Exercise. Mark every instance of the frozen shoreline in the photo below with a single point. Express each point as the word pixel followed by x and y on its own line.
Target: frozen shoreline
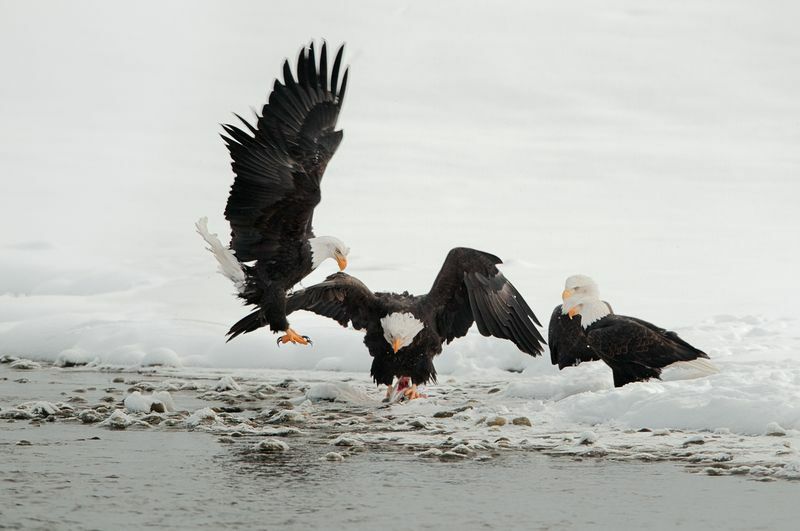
pixel 191 468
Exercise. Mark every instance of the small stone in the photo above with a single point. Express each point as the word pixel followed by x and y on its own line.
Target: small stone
pixel 496 421
pixel 89 416
pixel 452 456
pixel 25 365
pixel 494 390
pixel 152 418
pixel 432 452
pixel 118 379
pixel 694 439
pixel 108 398
pixel 775 430
pixel 158 407
pixel 271 446
pixel 226 440
pixel 334 456
pixel 343 440
pixel 23 442
pixel 521 421
pixel 21 381
pixel 443 414
pixel 586 438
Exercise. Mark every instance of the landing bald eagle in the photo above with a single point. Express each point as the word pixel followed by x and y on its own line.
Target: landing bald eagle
pixel 584 328
pixel 404 332
pixel 279 165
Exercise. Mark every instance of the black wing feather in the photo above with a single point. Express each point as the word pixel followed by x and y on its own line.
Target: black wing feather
pixel 637 350
pixel 469 288
pixel 280 161
pixel 341 297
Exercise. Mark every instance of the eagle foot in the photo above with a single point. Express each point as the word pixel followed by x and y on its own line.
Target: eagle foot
pixel 293 337
pixel 403 390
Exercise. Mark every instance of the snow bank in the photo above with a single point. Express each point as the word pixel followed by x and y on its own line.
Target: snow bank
pixel 640 123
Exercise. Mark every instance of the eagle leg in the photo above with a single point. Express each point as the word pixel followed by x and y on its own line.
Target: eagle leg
pixel 293 337
pixel 411 393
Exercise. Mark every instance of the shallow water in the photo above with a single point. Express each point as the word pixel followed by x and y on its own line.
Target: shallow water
pixel 71 475
pixel 145 479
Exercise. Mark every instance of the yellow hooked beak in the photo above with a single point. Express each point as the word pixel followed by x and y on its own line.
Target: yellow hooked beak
pixel 566 294
pixel 342 261
pixel 397 345
pixel 574 311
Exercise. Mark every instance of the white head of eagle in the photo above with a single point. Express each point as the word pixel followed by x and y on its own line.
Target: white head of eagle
pixel 400 329
pixel 582 297
pixel 324 247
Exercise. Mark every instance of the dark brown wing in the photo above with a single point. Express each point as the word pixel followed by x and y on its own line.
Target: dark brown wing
pixel 343 298
pixel 567 341
pixel 637 350
pixel 469 288
pixel 279 163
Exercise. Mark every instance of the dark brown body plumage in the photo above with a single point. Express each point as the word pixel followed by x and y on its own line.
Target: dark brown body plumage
pixel 468 289
pixel 279 164
pixel 635 349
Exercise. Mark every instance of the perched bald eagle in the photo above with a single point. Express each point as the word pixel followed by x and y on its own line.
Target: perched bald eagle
pixel 584 328
pixel 404 332
pixel 279 164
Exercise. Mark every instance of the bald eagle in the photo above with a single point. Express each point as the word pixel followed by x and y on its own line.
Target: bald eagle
pixel 279 164
pixel 585 328
pixel 404 332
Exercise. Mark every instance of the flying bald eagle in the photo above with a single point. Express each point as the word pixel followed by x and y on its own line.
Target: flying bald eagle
pixel 279 164
pixel 585 328
pixel 404 332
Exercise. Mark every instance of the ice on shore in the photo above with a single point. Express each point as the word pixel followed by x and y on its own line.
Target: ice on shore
pixel 159 401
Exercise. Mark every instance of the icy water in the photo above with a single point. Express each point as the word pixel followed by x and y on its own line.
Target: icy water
pixel 267 457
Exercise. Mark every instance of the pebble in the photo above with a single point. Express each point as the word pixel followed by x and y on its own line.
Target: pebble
pixel 334 456
pixel 521 421
pixel 496 421
pixel 89 416
pixel 271 446
pixel 776 430
pixel 23 442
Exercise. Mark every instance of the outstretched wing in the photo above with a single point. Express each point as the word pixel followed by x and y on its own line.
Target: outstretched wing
pixel 343 298
pixel 279 163
pixel 638 350
pixel 567 341
pixel 469 288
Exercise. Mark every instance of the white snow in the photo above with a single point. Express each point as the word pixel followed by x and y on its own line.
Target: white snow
pixel 651 147
pixel 203 415
pixel 227 383
pixel 137 402
pixel 336 391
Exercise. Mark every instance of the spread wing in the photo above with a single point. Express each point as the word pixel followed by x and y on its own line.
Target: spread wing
pixel 638 350
pixel 469 288
pixel 279 163
pixel 341 297
pixel 567 341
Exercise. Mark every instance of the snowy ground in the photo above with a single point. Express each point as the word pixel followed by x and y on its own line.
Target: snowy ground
pixel 650 145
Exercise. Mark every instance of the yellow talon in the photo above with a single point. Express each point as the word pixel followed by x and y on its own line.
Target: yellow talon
pixel 293 337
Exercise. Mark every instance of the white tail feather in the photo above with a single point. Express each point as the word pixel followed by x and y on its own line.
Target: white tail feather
pixel 700 365
pixel 229 266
